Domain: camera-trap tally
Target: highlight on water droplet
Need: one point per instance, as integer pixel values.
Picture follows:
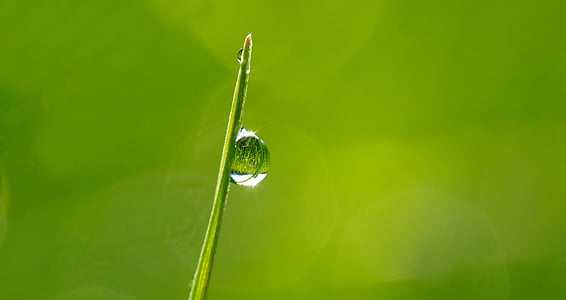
(239, 55)
(251, 159)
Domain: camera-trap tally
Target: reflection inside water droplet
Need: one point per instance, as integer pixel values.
(239, 55)
(247, 179)
(251, 160)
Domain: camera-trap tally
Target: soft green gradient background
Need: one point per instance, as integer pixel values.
(418, 149)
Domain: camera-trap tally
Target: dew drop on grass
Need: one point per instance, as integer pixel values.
(251, 160)
(239, 55)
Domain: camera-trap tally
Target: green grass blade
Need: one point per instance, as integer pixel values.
(206, 258)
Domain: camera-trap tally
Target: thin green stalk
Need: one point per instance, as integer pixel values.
(206, 258)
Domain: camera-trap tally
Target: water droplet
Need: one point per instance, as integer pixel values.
(251, 160)
(239, 55)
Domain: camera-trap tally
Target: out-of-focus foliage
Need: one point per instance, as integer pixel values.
(418, 149)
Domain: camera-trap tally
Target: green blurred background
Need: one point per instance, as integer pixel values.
(418, 149)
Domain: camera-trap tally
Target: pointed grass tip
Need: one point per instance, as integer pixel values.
(248, 40)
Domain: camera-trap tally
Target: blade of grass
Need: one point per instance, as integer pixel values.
(206, 258)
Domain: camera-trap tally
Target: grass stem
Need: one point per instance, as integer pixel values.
(206, 258)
